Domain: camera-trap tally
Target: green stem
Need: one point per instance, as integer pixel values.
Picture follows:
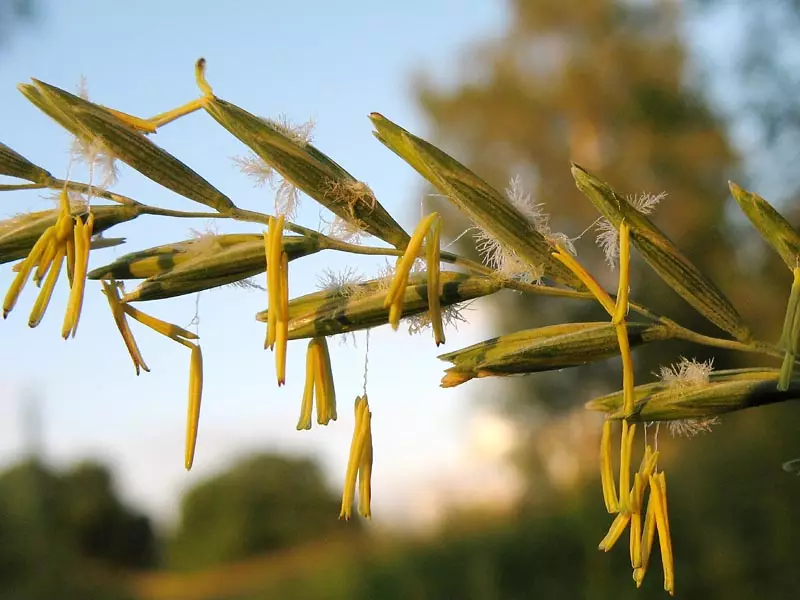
(688, 335)
(146, 209)
(12, 187)
(83, 188)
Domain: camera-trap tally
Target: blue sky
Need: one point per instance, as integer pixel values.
(333, 62)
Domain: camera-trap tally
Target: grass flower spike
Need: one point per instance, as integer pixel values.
(518, 252)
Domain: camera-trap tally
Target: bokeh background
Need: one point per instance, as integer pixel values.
(486, 491)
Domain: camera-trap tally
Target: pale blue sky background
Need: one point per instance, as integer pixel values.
(334, 62)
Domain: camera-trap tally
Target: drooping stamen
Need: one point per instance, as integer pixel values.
(606, 471)
(195, 399)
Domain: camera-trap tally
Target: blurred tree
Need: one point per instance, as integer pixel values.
(43, 527)
(263, 503)
(103, 527)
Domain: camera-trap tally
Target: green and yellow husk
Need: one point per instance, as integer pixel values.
(19, 234)
(14, 164)
(311, 171)
(544, 349)
(770, 224)
(663, 256)
(95, 123)
(726, 391)
(208, 269)
(484, 205)
(361, 306)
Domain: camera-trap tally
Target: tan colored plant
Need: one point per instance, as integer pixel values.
(522, 254)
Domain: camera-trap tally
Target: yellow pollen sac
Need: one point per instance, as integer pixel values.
(273, 246)
(16, 287)
(659, 500)
(621, 307)
(282, 321)
(43, 300)
(195, 398)
(304, 422)
(397, 289)
(636, 522)
(648, 536)
(359, 464)
(606, 470)
(615, 531)
(318, 386)
(82, 244)
(118, 312)
(628, 431)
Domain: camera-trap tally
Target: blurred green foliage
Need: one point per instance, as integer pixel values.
(264, 503)
(56, 527)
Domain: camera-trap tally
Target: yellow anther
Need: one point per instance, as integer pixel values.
(621, 306)
(43, 300)
(118, 312)
(606, 470)
(359, 464)
(195, 399)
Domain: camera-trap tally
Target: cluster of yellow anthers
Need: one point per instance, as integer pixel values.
(628, 504)
(278, 292)
(68, 238)
(428, 231)
(319, 385)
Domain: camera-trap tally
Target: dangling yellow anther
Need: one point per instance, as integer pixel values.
(626, 445)
(658, 500)
(648, 536)
(395, 296)
(273, 246)
(606, 471)
(111, 292)
(16, 287)
(82, 244)
(616, 530)
(365, 471)
(434, 300)
(323, 383)
(665, 538)
(359, 464)
(307, 406)
(282, 324)
(636, 521)
(43, 300)
(319, 386)
(195, 399)
(623, 288)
